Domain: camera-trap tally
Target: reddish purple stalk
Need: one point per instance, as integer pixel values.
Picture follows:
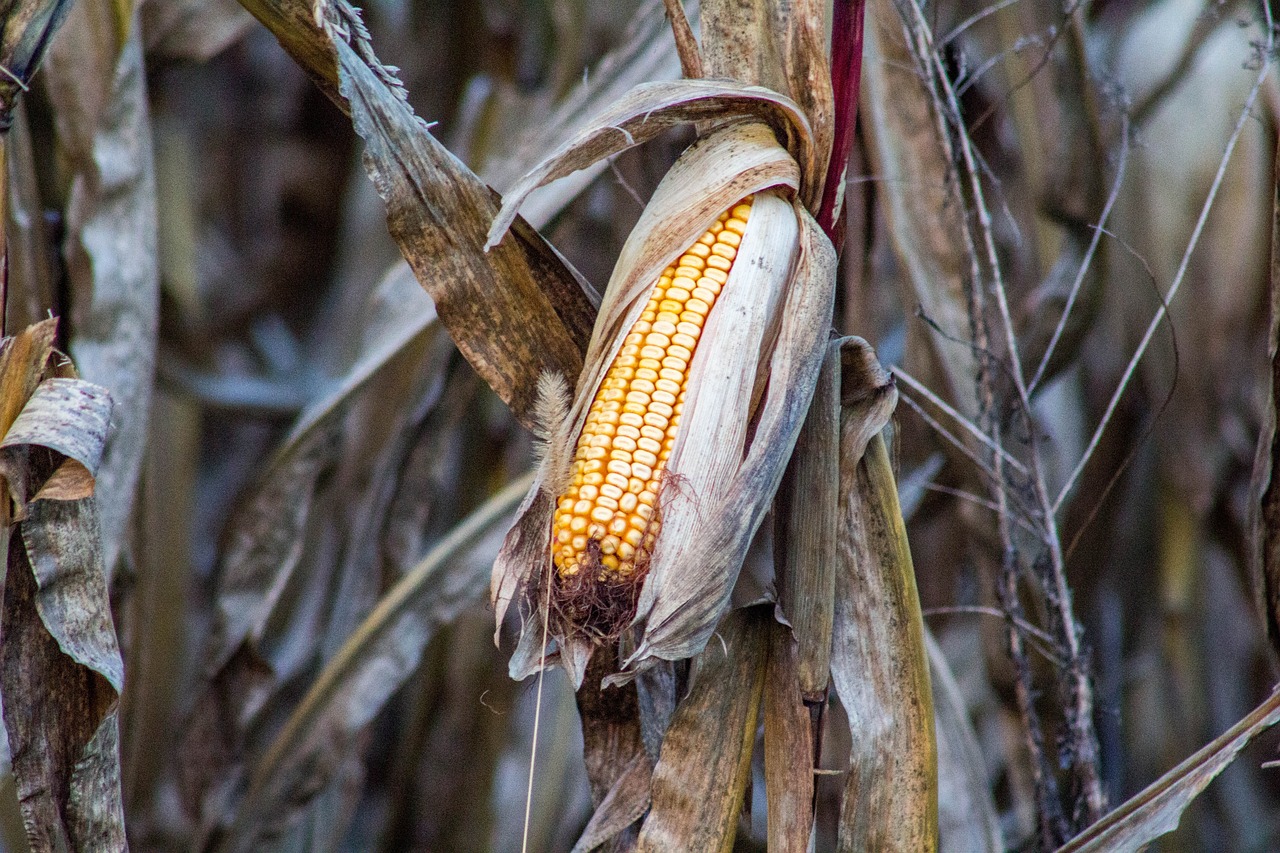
(846, 73)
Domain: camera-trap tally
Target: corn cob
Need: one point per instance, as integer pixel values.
(607, 521)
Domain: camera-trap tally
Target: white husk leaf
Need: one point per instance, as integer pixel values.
(650, 109)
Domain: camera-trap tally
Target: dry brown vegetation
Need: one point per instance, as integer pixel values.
(987, 551)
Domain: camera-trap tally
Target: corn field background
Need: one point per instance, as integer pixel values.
(999, 569)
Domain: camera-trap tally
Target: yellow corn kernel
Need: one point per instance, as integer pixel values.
(605, 523)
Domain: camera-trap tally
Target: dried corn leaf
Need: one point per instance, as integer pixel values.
(702, 773)
(912, 159)
(805, 526)
(69, 417)
(103, 131)
(648, 110)
(967, 818)
(1156, 810)
(788, 746)
(515, 312)
(273, 620)
(878, 662)
(266, 536)
(31, 283)
(60, 667)
(371, 666)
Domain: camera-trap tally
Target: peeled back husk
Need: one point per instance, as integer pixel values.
(750, 383)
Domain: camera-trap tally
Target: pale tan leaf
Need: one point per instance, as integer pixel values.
(918, 193)
(1157, 809)
(702, 773)
(788, 746)
(805, 524)
(648, 110)
(879, 666)
(103, 130)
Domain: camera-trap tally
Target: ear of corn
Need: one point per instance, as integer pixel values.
(607, 521)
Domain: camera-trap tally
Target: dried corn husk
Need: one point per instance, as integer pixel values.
(750, 384)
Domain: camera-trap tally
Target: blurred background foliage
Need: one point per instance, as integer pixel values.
(295, 429)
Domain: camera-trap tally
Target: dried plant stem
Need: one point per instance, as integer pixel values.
(1245, 114)
(1080, 741)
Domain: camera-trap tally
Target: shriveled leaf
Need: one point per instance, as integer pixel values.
(1156, 810)
(110, 250)
(805, 524)
(69, 417)
(266, 540)
(370, 667)
(626, 802)
(650, 109)
(61, 674)
(702, 774)
(967, 818)
(273, 622)
(878, 661)
(788, 746)
(23, 360)
(60, 667)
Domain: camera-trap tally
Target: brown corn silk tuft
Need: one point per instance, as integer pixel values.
(607, 521)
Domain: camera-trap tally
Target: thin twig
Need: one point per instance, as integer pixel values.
(1078, 707)
(969, 426)
(1087, 259)
(1045, 646)
(1181, 274)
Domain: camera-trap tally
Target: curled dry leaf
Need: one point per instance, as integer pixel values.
(878, 662)
(758, 357)
(60, 666)
(69, 417)
(650, 109)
